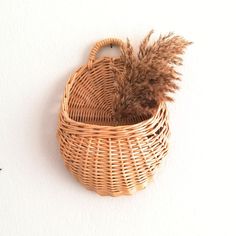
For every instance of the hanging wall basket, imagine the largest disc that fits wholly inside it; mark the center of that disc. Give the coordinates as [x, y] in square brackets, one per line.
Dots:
[108, 156]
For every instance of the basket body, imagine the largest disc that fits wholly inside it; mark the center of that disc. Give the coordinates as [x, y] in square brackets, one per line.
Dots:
[108, 157]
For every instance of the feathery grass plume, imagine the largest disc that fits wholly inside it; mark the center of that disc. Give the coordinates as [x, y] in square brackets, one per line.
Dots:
[149, 77]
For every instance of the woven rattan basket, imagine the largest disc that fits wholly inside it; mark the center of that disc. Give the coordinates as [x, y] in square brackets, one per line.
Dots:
[108, 157]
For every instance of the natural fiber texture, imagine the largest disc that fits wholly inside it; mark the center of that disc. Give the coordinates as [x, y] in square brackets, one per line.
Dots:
[149, 77]
[110, 156]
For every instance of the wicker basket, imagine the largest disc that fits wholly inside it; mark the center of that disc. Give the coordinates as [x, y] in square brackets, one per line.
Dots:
[108, 157]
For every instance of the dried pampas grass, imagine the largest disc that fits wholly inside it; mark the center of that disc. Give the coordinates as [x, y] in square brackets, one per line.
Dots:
[148, 77]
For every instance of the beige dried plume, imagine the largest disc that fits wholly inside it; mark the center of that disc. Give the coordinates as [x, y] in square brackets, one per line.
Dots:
[149, 77]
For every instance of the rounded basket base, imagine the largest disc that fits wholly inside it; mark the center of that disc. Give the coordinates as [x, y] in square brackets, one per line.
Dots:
[130, 191]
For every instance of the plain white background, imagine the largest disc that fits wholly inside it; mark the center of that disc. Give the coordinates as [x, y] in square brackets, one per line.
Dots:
[41, 44]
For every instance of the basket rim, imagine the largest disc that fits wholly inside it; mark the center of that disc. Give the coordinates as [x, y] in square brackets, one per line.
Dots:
[65, 114]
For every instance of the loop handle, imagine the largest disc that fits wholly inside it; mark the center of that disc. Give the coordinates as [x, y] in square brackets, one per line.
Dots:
[101, 44]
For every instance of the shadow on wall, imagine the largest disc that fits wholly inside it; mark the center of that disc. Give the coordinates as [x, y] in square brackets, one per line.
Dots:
[50, 146]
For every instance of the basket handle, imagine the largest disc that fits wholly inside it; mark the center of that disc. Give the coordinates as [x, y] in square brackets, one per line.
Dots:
[101, 44]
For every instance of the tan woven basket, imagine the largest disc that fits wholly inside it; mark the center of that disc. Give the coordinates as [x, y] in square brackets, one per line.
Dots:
[108, 157]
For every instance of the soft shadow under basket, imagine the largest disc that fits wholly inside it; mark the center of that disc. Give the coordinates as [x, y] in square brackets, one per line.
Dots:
[108, 157]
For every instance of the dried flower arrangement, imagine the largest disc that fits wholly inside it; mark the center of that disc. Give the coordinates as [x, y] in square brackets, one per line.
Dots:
[149, 77]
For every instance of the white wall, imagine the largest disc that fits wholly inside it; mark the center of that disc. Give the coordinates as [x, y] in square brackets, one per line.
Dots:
[41, 43]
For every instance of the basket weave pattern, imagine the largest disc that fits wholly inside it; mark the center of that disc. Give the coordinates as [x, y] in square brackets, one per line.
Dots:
[108, 157]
